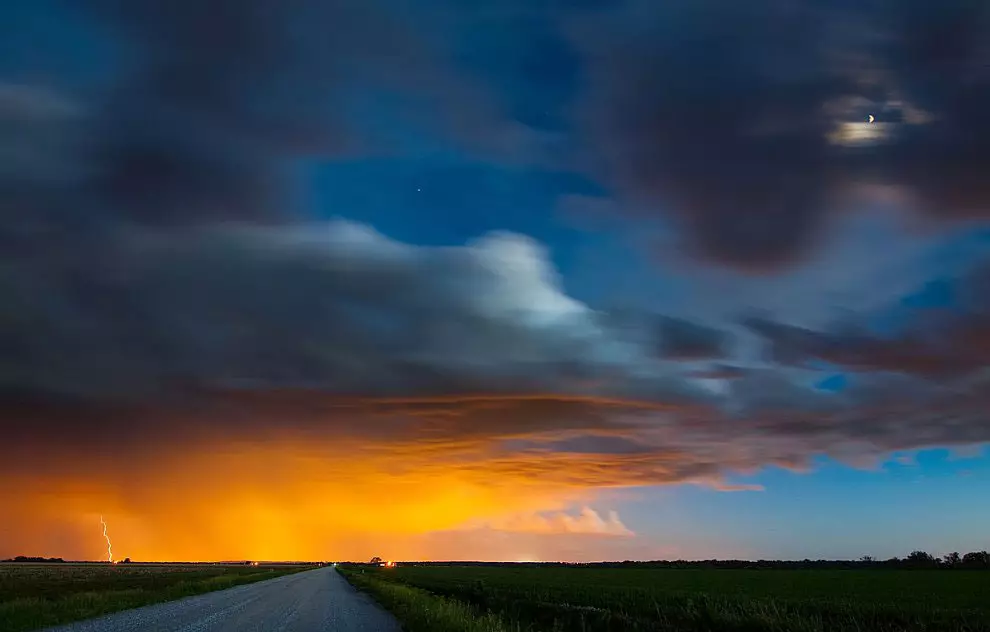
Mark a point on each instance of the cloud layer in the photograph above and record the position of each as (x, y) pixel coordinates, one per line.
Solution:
(746, 124)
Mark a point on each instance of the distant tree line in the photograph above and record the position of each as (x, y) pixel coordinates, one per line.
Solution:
(976, 560)
(36, 560)
(127, 560)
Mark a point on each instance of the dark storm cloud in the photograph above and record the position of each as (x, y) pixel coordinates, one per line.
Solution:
(941, 65)
(206, 110)
(710, 110)
(685, 340)
(218, 94)
(143, 301)
(585, 442)
(96, 306)
(746, 122)
(332, 305)
(470, 356)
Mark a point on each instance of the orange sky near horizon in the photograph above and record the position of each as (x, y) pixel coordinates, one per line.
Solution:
(297, 493)
(280, 502)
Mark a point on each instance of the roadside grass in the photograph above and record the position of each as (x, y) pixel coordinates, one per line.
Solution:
(420, 611)
(38, 596)
(614, 600)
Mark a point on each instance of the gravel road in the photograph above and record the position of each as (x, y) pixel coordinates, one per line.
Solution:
(310, 601)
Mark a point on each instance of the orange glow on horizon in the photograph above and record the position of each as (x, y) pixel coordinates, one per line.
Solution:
(430, 478)
(272, 502)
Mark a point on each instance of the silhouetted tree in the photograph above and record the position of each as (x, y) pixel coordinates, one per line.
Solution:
(376, 560)
(976, 559)
(921, 559)
(126, 560)
(952, 559)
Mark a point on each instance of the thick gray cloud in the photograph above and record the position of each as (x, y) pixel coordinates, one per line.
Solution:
(334, 306)
(334, 331)
(223, 94)
(745, 123)
(98, 305)
(588, 442)
(205, 112)
(742, 123)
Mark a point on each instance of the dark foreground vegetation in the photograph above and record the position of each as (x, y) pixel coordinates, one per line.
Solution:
(975, 560)
(445, 598)
(34, 596)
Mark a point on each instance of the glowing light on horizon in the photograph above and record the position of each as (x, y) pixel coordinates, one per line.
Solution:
(240, 513)
(109, 546)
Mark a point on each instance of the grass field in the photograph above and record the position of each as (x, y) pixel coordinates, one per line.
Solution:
(33, 596)
(598, 599)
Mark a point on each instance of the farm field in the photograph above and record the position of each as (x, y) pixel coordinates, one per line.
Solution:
(33, 596)
(614, 599)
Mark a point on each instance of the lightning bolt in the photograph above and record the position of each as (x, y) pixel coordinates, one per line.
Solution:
(109, 548)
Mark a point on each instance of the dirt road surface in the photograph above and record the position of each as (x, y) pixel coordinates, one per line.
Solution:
(311, 601)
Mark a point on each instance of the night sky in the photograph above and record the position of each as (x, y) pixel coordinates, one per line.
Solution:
(498, 280)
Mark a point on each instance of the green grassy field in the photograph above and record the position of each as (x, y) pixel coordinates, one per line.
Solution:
(33, 596)
(598, 599)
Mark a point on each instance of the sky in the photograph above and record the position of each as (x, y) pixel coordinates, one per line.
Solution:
(499, 280)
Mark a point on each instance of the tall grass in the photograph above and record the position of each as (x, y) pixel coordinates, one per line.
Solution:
(421, 611)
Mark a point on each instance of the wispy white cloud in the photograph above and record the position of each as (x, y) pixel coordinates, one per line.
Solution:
(587, 521)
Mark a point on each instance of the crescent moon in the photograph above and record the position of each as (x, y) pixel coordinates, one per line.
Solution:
(871, 118)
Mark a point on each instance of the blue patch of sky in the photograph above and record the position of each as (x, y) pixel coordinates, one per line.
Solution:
(948, 260)
(523, 57)
(938, 293)
(930, 502)
(49, 43)
(833, 383)
(445, 200)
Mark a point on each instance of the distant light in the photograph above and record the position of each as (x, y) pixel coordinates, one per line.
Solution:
(858, 134)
